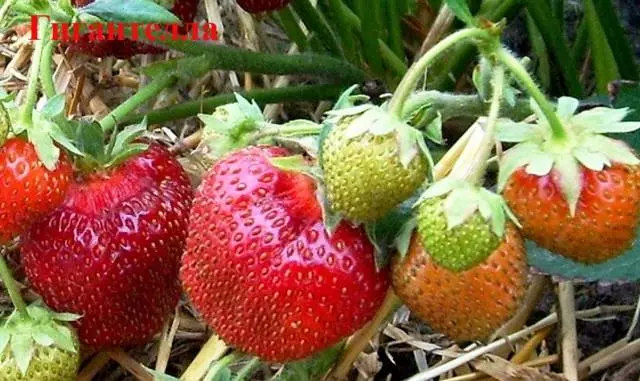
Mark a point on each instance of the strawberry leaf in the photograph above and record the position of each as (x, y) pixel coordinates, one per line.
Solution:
(461, 9)
(138, 11)
(626, 267)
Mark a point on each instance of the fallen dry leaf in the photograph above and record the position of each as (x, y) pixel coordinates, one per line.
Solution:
(503, 370)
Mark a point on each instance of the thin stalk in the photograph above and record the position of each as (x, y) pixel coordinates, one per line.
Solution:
(522, 75)
(270, 130)
(292, 29)
(229, 58)
(367, 11)
(316, 22)
(34, 73)
(46, 72)
(417, 70)
(123, 110)
(247, 370)
(478, 168)
(552, 33)
(394, 21)
(344, 31)
(310, 93)
(11, 286)
(393, 62)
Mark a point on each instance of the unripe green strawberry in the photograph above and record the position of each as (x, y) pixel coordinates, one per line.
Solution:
(459, 248)
(38, 347)
(47, 364)
(460, 224)
(371, 163)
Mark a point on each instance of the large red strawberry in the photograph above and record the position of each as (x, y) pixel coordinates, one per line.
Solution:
(257, 6)
(261, 267)
(185, 10)
(111, 251)
(28, 190)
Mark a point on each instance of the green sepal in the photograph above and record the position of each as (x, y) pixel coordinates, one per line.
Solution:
(139, 11)
(297, 163)
(384, 234)
(330, 219)
(433, 131)
(312, 368)
(184, 68)
(22, 334)
(403, 239)
(462, 199)
(308, 144)
(123, 145)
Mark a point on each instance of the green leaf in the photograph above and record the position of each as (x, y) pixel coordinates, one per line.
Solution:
(130, 150)
(138, 11)
(90, 139)
(61, 138)
(54, 107)
(125, 137)
(626, 267)
(628, 95)
(22, 349)
(461, 9)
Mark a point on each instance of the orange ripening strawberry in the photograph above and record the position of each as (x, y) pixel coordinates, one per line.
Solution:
(606, 216)
(575, 191)
(466, 305)
(28, 190)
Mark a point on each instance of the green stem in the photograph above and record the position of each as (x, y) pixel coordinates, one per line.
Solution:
(46, 72)
(417, 70)
(346, 36)
(521, 74)
(316, 22)
(34, 73)
(247, 370)
(5, 9)
(123, 110)
(308, 93)
(479, 166)
(292, 29)
(450, 105)
(229, 58)
(11, 286)
(220, 365)
(394, 62)
(367, 11)
(272, 130)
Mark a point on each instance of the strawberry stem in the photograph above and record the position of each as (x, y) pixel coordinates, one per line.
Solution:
(124, 109)
(417, 70)
(479, 166)
(558, 130)
(221, 364)
(271, 130)
(34, 73)
(46, 74)
(10, 285)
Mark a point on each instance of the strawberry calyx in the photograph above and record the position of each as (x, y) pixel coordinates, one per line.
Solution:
(585, 145)
(21, 335)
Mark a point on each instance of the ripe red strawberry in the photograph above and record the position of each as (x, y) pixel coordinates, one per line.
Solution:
(262, 269)
(28, 191)
(185, 10)
(111, 251)
(466, 305)
(606, 216)
(257, 6)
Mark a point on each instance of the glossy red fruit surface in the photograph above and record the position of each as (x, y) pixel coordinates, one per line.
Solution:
(28, 190)
(263, 271)
(111, 251)
(257, 6)
(606, 218)
(185, 10)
